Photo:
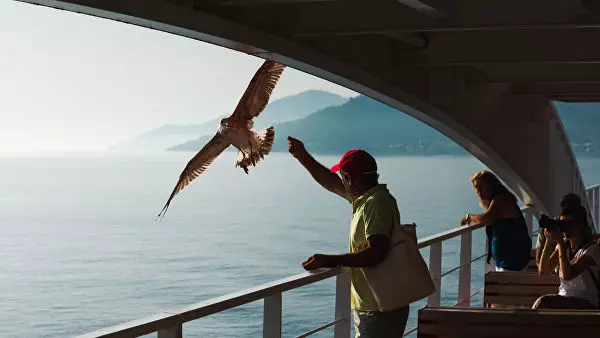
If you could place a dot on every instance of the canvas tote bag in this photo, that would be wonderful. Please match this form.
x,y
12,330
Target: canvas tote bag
x,y
403,277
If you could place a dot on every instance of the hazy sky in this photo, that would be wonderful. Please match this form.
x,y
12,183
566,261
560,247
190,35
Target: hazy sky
x,y
73,82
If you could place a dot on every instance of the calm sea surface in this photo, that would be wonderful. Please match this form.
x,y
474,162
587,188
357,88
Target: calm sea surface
x,y
79,248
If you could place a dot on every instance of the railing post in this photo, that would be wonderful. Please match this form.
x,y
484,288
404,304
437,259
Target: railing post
x,y
596,200
171,332
589,197
272,316
528,214
593,198
342,305
435,268
464,274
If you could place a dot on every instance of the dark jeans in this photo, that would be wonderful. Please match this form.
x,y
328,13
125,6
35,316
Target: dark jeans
x,y
562,302
390,324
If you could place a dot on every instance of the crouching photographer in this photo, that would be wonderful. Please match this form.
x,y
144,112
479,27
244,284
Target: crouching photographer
x,y
579,275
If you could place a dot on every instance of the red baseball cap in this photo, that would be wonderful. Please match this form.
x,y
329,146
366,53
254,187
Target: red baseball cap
x,y
356,161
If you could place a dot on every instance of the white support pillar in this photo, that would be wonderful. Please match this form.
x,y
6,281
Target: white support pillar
x,y
435,268
464,276
342,306
171,332
272,316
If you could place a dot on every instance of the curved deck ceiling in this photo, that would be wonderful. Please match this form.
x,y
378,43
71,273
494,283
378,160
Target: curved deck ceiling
x,y
481,72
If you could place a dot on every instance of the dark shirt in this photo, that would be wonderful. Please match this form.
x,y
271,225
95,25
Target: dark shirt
x,y
509,242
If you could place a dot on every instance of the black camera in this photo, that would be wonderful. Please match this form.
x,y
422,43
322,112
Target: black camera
x,y
551,223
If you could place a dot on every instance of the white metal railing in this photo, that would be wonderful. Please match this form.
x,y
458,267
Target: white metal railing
x,y
169,324
592,195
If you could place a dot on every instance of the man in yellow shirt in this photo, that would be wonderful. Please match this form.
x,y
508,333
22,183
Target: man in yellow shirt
x,y
374,213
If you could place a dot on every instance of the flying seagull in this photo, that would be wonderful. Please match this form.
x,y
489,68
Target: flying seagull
x,y
237,130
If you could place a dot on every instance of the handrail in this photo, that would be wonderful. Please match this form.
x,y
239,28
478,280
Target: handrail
x,y
169,323
448,234
202,309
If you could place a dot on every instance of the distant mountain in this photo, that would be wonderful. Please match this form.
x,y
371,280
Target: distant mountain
x,y
194,145
165,136
360,123
582,125
296,107
285,109
581,121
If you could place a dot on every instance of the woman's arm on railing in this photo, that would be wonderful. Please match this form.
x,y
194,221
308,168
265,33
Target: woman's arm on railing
x,y
497,209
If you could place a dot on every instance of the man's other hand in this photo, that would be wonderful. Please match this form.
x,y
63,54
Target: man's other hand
x,y
316,261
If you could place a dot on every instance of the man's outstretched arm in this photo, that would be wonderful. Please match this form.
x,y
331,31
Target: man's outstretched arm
x,y
319,172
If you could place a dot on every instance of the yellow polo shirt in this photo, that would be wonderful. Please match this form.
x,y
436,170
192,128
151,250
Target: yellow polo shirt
x,y
373,213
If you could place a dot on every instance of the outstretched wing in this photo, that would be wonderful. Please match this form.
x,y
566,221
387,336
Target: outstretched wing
x,y
256,97
197,165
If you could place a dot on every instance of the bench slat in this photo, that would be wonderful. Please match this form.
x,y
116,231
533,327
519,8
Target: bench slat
x,y
451,331
511,317
521,278
517,288
500,289
496,323
511,300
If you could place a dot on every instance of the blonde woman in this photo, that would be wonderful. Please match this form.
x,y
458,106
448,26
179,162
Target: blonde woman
x,y
508,238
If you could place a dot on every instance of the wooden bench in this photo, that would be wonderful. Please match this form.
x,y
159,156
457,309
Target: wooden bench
x,y
532,265
517,288
496,323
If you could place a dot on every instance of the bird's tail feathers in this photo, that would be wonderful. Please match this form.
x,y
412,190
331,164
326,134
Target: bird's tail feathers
x,y
267,138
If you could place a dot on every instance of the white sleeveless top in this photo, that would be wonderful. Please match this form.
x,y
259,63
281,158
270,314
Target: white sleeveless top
x,y
583,286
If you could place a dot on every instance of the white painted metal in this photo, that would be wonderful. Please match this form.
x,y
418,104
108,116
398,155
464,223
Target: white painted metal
x,y
435,268
172,332
596,209
464,274
342,306
592,195
202,309
272,316
165,321
444,235
528,213
589,197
